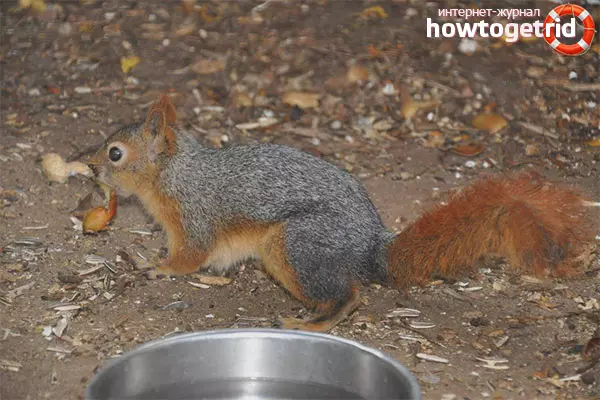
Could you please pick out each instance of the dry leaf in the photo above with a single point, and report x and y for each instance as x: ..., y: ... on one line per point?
x: 241, y: 100
x: 489, y: 122
x: 532, y: 150
x: 207, y: 67
x: 593, y: 143
x: 357, y: 73
x: 373, y: 12
x: 128, y: 63
x: 434, y: 139
x: 469, y: 150
x: 301, y: 99
x: 186, y: 29
x: 188, y: 6
x: 410, y: 107
x: 35, y: 5
x: 543, y: 374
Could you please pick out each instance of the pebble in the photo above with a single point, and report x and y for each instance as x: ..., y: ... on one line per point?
x: 389, y: 89
x: 588, y: 378
x: 336, y: 125
x: 83, y: 90
x: 65, y: 29
x: 34, y: 92
x: 467, y: 46
x: 573, y: 75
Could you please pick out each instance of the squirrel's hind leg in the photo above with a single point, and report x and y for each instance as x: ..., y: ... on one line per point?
x: 332, y: 310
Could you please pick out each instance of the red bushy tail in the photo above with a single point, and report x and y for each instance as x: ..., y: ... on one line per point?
x: 537, y: 227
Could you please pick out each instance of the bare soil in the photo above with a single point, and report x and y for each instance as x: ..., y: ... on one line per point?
x: 63, y: 90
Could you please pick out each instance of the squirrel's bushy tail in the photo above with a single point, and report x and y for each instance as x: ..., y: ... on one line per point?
x: 537, y: 227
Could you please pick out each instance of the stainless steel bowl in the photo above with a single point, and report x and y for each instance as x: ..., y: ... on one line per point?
x: 253, y: 364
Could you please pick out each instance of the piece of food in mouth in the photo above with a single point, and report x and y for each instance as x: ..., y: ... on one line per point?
x: 98, y: 218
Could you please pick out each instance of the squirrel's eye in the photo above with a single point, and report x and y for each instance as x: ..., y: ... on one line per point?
x: 115, y: 154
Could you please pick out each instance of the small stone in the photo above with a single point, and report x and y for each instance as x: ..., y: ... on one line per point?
x: 336, y: 125
x: 588, y: 378
x: 467, y: 46
x: 573, y: 75
x: 383, y: 125
x: 389, y: 89
x: 404, y: 175
x: 65, y: 29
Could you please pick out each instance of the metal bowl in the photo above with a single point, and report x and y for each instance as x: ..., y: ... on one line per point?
x: 253, y: 364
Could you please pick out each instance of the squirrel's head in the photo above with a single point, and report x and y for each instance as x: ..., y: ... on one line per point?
x: 131, y: 158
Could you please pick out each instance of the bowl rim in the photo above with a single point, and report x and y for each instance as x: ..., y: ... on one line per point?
x: 230, y: 333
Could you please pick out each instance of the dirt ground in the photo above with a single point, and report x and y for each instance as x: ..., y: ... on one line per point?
x: 368, y: 92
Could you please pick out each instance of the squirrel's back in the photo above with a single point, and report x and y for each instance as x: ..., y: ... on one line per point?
x: 268, y: 183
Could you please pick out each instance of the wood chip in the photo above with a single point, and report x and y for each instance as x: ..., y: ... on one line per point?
x: 207, y: 67
x: 141, y: 232
x: 212, y: 280
x: 67, y: 307
x: 430, y: 357
x: 59, y: 350
x: 199, y: 285
x: 421, y: 325
x: 12, y: 366
x: 404, y: 313
x: 303, y: 100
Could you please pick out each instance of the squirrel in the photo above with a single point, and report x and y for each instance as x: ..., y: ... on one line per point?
x: 314, y: 227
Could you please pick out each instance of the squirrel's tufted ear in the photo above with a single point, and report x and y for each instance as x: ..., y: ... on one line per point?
x: 157, y: 129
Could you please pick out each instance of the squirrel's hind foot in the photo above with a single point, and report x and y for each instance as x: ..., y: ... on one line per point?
x: 338, y: 312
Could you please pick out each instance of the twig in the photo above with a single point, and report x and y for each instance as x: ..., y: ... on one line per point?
x: 573, y: 86
x: 538, y: 130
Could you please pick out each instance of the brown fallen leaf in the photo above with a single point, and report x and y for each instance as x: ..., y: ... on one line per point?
x: 532, y: 150
x: 434, y: 139
x: 188, y: 6
x: 490, y: 122
x: 207, y: 67
x: 186, y: 29
x: 543, y: 374
x: 241, y: 100
x: 357, y: 73
x: 411, y: 107
x: 469, y: 150
x: 303, y: 100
